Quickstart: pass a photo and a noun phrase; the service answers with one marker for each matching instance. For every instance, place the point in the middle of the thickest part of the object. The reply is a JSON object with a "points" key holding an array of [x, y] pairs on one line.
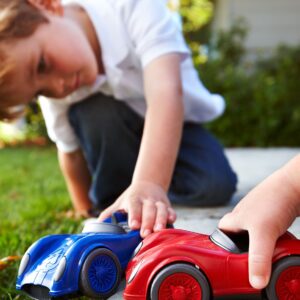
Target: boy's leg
{"points": [[202, 176], [109, 133]]}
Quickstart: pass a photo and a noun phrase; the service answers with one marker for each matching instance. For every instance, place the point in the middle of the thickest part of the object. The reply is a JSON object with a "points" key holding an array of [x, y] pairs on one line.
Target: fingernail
{"points": [[172, 219], [258, 282], [172, 215], [146, 232], [134, 224], [158, 227]]}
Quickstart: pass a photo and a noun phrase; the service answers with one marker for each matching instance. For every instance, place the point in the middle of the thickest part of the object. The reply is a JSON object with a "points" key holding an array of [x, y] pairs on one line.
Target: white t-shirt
{"points": [[132, 34]]}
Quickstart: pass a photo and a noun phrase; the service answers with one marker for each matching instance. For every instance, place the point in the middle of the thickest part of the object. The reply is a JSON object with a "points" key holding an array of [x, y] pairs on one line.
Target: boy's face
{"points": [[55, 61]]}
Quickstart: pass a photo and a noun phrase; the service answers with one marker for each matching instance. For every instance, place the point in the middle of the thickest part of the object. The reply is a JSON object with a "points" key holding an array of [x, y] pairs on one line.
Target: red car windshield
{"points": [[232, 242]]}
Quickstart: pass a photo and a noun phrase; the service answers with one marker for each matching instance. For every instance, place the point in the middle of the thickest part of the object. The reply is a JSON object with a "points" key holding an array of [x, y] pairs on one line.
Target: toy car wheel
{"points": [[100, 274], [285, 280], [179, 282]]}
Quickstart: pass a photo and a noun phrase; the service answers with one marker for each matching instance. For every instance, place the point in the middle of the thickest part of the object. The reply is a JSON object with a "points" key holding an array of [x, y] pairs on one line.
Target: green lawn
{"points": [[32, 201]]}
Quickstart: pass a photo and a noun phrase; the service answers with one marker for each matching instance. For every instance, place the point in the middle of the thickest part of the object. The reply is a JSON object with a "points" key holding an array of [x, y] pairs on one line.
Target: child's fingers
{"points": [[161, 216], [134, 214], [107, 213], [171, 215], [261, 250], [148, 217]]}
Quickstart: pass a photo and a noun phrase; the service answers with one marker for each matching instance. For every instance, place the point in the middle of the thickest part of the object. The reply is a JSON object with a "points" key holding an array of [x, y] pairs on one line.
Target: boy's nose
{"points": [[61, 85], [64, 85], [54, 86], [57, 86]]}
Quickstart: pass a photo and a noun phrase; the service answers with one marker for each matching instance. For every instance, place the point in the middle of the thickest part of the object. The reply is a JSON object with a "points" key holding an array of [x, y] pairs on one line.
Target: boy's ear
{"points": [[53, 6]]}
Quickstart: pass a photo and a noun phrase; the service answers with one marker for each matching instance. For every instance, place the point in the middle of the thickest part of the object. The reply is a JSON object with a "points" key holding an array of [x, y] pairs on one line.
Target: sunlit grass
{"points": [[32, 201]]}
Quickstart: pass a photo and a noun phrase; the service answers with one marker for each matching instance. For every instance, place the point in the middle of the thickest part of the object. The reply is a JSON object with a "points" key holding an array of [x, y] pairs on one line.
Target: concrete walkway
{"points": [[252, 166]]}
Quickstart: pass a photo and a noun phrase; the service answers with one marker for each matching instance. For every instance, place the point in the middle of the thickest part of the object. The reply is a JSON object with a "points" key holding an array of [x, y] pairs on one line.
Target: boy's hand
{"points": [[147, 205], [266, 213]]}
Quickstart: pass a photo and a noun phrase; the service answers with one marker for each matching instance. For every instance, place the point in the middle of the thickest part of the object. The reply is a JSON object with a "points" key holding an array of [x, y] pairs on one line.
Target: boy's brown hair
{"points": [[18, 19]]}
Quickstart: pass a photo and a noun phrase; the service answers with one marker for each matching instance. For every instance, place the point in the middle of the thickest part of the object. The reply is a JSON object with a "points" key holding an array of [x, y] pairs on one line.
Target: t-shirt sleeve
{"points": [[153, 30], [58, 127]]}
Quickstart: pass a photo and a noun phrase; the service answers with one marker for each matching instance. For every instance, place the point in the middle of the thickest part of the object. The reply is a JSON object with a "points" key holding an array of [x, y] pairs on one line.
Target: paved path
{"points": [[252, 166]]}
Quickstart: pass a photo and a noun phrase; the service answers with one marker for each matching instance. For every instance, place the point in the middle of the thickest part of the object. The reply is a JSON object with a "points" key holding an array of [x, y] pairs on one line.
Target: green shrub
{"points": [[262, 96], [35, 122]]}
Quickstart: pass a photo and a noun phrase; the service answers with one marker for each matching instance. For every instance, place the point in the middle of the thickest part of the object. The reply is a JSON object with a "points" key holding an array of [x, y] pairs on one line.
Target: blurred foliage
{"points": [[262, 94], [195, 14], [35, 122], [228, 46]]}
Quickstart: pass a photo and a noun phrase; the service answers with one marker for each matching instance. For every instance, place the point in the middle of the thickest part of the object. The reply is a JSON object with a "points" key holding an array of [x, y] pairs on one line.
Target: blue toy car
{"points": [[90, 263]]}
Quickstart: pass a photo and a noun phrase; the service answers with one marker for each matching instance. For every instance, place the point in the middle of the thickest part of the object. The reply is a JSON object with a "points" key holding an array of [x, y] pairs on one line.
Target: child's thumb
{"points": [[228, 223]]}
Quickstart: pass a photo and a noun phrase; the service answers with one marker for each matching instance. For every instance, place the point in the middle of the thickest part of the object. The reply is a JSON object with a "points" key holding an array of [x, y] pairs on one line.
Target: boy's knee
{"points": [[210, 190], [220, 191]]}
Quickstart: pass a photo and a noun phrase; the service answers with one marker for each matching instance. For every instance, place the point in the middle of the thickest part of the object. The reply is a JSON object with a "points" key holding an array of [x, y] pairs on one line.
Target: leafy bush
{"points": [[35, 122], [262, 96], [196, 15]]}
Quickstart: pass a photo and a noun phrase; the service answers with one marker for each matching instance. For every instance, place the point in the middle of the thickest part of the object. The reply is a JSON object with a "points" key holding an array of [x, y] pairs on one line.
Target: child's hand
{"points": [[266, 213], [147, 205]]}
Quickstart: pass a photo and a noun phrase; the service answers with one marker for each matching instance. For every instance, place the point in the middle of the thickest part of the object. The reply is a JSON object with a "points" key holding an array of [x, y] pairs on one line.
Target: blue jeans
{"points": [[110, 135]]}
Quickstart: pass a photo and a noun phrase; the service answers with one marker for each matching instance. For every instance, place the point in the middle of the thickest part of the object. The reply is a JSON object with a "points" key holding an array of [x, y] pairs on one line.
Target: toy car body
{"points": [[181, 265], [90, 263]]}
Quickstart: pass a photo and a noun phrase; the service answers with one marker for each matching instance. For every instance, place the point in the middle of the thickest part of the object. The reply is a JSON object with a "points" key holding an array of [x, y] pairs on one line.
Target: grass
{"points": [[32, 201]]}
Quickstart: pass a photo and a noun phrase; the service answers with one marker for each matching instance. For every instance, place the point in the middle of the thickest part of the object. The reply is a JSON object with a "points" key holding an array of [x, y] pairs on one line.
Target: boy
{"points": [[123, 104]]}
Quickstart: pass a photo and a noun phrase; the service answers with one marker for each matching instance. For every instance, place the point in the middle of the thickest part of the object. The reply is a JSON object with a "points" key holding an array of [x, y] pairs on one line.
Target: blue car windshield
{"points": [[97, 227]]}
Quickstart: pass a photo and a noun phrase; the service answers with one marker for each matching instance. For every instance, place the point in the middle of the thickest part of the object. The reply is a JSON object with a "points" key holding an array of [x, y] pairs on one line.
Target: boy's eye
{"points": [[42, 65], [39, 93], [45, 93]]}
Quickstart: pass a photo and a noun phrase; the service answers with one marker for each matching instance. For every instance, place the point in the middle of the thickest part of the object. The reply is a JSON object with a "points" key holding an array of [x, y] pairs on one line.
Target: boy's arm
{"points": [[266, 213], [77, 177], [146, 200], [163, 121]]}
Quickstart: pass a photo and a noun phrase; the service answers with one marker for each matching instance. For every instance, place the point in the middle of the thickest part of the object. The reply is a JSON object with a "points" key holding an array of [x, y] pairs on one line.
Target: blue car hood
{"points": [[42, 270]]}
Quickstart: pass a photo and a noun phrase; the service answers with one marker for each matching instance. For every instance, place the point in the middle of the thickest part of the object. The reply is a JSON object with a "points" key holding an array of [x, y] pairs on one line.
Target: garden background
{"points": [[263, 110]]}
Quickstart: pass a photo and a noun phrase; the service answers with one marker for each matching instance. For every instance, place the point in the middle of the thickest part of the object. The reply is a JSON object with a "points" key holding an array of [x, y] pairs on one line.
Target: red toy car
{"points": [[181, 265]]}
